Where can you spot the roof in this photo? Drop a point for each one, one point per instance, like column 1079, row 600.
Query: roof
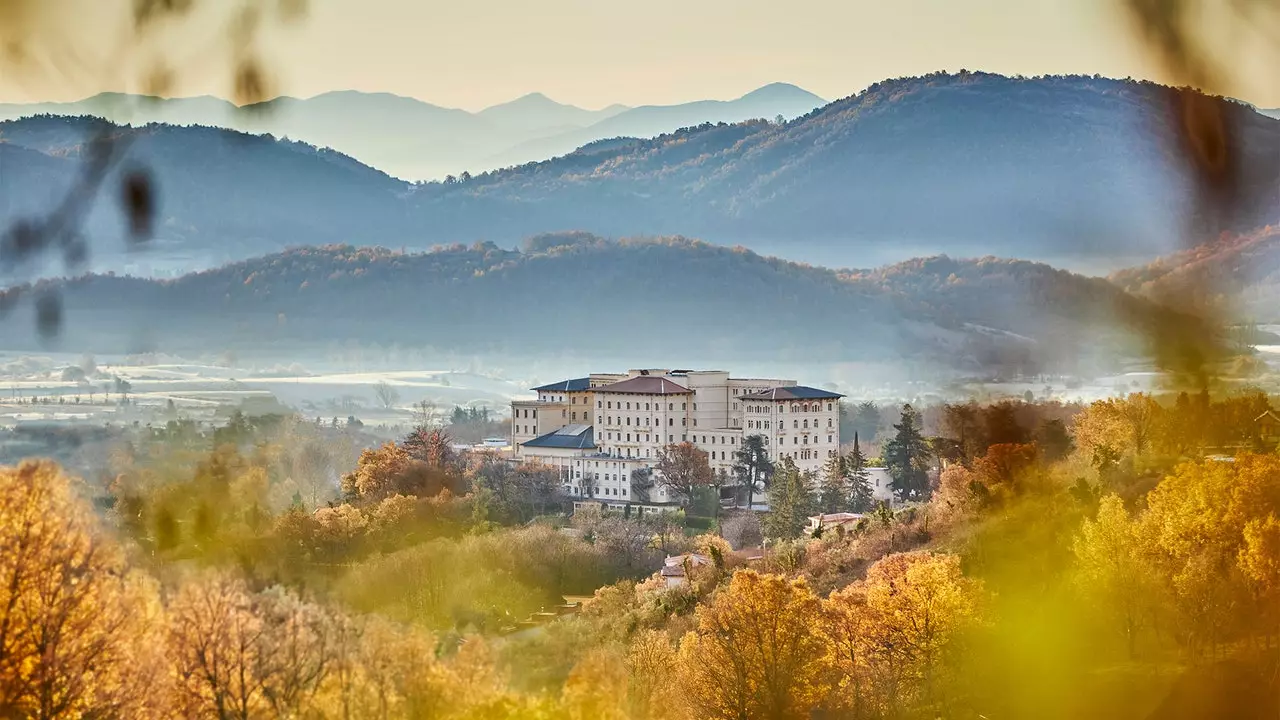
column 574, row 385
column 645, row 385
column 573, row 437
column 835, row 517
column 793, row 392
column 1269, row 414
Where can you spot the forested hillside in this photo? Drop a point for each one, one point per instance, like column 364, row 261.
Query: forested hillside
column 576, row 292
column 1066, row 169
column 1236, row 273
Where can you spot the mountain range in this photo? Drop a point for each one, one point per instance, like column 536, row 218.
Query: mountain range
column 415, row 140
column 583, row 295
column 1075, row 171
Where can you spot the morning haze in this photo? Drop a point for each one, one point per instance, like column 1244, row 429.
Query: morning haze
column 568, row 360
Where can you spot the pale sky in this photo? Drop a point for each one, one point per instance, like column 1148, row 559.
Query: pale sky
column 591, row 53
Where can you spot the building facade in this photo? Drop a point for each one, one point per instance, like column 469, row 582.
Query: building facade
column 600, row 430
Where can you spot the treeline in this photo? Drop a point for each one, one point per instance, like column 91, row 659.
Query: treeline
column 935, row 308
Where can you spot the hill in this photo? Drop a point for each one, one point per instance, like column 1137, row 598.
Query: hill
column 414, row 140
column 1073, row 171
column 1239, row 273
column 579, row 294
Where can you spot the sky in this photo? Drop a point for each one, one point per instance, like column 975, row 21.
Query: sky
column 594, row 53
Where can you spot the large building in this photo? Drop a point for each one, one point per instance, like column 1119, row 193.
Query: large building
column 600, row 429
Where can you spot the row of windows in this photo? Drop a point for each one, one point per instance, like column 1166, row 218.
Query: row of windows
column 797, row 408
column 656, row 406
column 648, row 421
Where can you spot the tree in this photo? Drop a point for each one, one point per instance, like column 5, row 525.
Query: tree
column 76, row 627
column 387, row 396
column 866, row 420
column 1111, row 570
column 742, row 530
column 891, row 634
column 1054, row 440
column 756, row 651
column 752, row 466
column 790, row 502
column 834, row 491
column 861, row 496
column 961, row 425
column 683, row 469
column 906, row 456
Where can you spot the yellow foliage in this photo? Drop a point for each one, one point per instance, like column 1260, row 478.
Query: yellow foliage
column 756, row 651
column 76, row 634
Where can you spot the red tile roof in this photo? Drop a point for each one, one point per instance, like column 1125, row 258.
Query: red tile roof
column 645, row 385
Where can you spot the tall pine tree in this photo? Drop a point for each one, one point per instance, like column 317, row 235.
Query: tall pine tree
column 906, row 456
column 790, row 502
column 833, row 495
column 861, row 496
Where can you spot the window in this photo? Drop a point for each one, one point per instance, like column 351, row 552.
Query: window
column 598, row 405
column 795, row 441
column 610, row 404
column 628, row 421
column 684, row 406
column 806, row 424
column 628, row 406
column 575, row 416
column 671, row 421
column 695, row 407
column 563, row 413
column 671, row 438
column 733, row 440
column 795, row 424
column 829, row 439
column 683, row 422
column 646, row 406
column 695, row 422
column 671, row 406
column 829, row 407
column 829, row 421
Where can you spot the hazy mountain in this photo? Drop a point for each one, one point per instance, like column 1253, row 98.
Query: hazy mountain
column 412, row 139
column 651, row 120
column 575, row 292
column 1073, row 171
column 1236, row 273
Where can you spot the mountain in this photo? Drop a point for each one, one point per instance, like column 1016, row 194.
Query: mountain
column 538, row 114
column 221, row 195
column 412, row 139
column 1236, row 273
column 579, row 294
column 1074, row 171
column 1274, row 112
column 647, row 121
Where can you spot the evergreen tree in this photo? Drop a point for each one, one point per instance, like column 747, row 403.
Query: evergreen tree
column 790, row 502
column 861, row 496
column 834, row 495
column 906, row 456
column 752, row 466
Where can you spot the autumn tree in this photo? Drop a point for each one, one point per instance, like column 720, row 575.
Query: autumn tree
column 76, row 626
column 893, row 634
column 1112, row 571
column 683, row 470
column 216, row 641
column 756, row 651
column 752, row 466
column 906, row 455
